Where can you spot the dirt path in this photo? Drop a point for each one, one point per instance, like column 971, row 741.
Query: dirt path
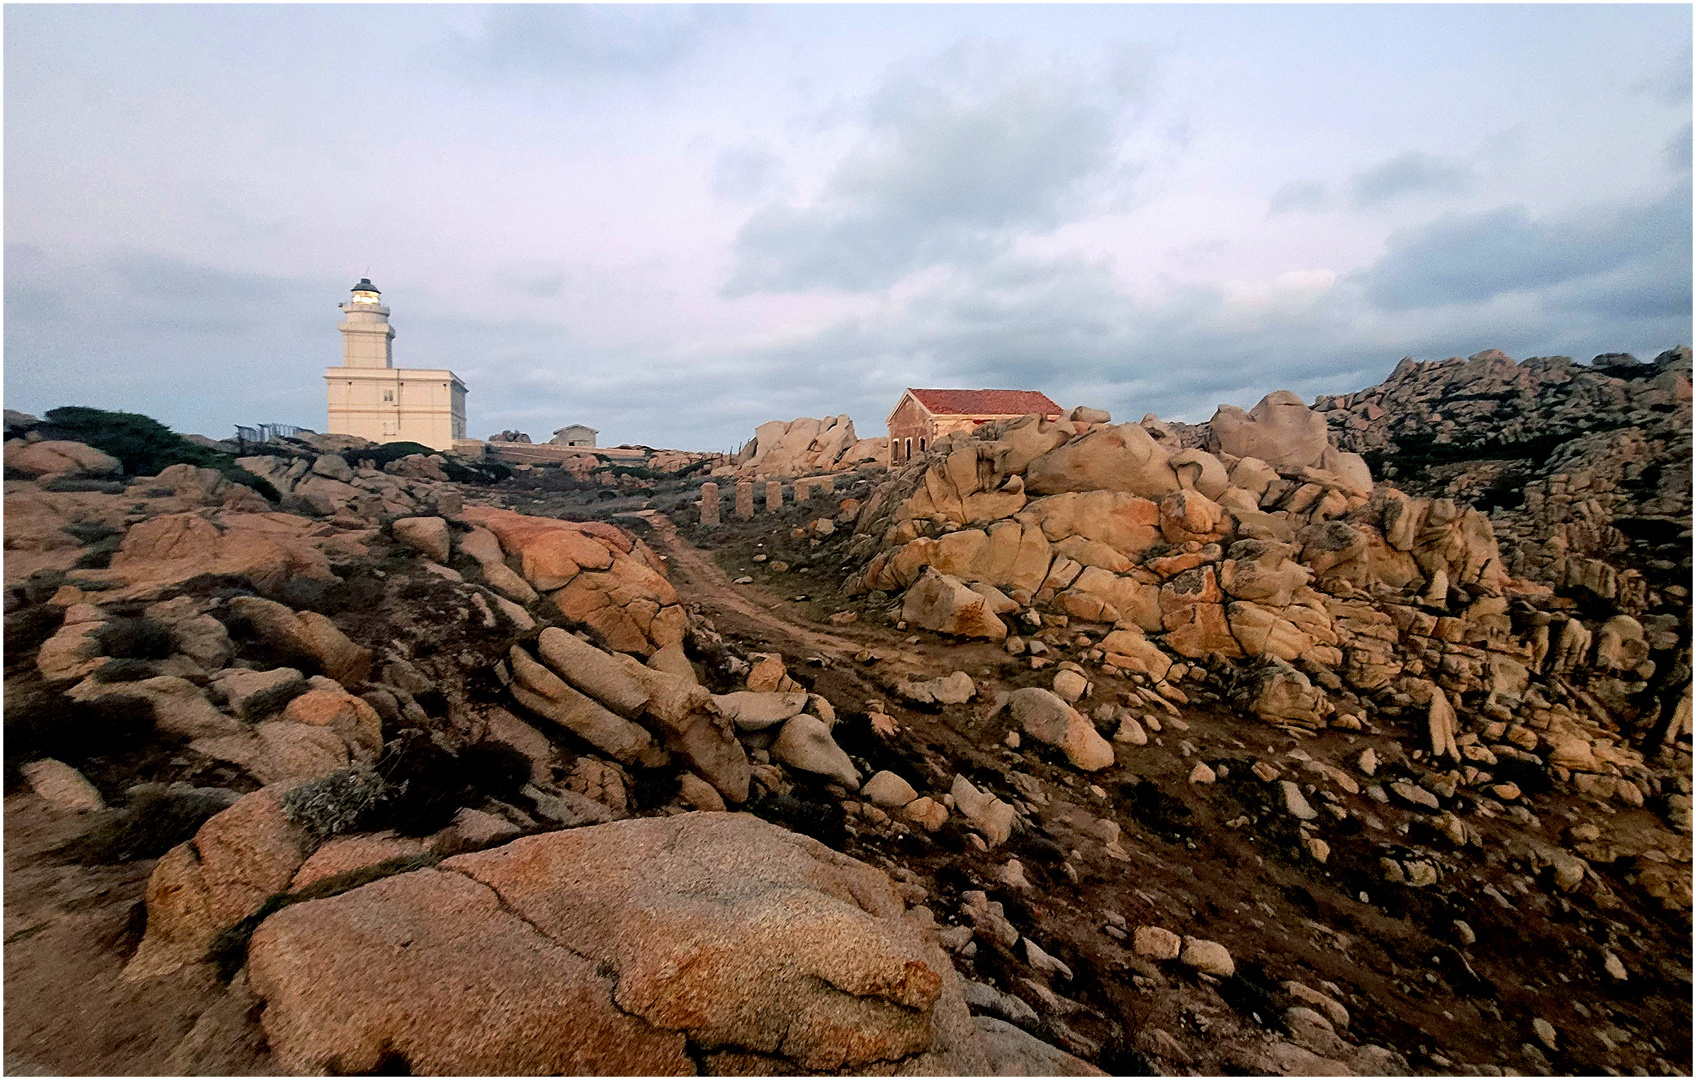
column 700, row 580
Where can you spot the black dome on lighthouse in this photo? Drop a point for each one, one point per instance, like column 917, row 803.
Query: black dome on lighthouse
column 366, row 286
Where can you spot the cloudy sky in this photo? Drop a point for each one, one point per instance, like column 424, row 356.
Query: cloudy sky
column 675, row 223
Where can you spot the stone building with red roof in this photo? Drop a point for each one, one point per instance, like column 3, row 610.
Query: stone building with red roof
column 923, row 416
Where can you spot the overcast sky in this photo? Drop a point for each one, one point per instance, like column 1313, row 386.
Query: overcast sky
column 674, row 223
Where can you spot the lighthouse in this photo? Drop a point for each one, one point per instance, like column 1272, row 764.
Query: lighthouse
column 371, row 398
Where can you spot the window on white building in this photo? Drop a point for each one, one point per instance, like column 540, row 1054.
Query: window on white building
column 388, row 395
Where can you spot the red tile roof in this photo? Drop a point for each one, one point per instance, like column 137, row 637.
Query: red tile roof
column 986, row 402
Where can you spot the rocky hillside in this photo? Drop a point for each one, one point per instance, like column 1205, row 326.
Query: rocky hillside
column 1584, row 469
column 1122, row 748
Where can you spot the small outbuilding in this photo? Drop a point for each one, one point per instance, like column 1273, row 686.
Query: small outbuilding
column 923, row 416
column 574, row 435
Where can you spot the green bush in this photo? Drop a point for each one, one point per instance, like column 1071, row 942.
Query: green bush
column 141, row 443
column 387, row 452
column 146, row 447
column 488, row 472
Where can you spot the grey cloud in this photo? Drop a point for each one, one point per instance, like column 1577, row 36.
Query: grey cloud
column 949, row 171
column 149, row 274
column 1671, row 85
column 1410, row 173
column 1469, row 258
column 565, row 40
column 743, row 173
column 1299, row 195
column 1657, row 287
column 1677, row 152
column 193, row 345
column 1066, row 327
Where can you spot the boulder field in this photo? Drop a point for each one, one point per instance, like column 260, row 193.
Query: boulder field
column 1274, row 564
column 1122, row 747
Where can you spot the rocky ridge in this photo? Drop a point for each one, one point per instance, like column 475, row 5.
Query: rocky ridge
column 805, row 446
column 1584, row 469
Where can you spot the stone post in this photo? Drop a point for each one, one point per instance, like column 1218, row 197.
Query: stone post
column 709, row 503
column 774, row 496
column 803, row 489
column 744, row 499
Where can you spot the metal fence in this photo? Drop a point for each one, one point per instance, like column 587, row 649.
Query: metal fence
column 264, row 433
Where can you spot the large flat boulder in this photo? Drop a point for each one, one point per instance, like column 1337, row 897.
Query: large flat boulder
column 637, row 947
column 1109, row 458
column 52, row 457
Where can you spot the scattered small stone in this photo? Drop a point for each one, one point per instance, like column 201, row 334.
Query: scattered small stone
column 1043, row 962
column 1201, row 774
column 1295, row 803
column 1130, row 732
column 1368, row 762
column 698, row 793
column 1414, row 795
column 955, row 938
column 1333, row 1009
column 1013, row 876
column 1207, row 957
column 1463, row 930
column 1420, row 873
column 926, row 813
column 1070, row 685
column 1545, row 1032
column 1156, row 943
column 888, row 790
column 1612, row 965
column 62, row 787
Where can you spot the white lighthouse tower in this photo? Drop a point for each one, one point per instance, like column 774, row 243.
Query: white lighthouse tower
column 371, row 398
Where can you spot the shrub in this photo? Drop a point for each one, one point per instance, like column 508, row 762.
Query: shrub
column 427, row 784
column 156, row 821
column 337, row 803
column 386, row 453
column 137, row 638
column 123, row 669
column 41, row 723
column 494, row 768
column 145, row 446
column 824, row 821
column 30, row 628
column 488, row 472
